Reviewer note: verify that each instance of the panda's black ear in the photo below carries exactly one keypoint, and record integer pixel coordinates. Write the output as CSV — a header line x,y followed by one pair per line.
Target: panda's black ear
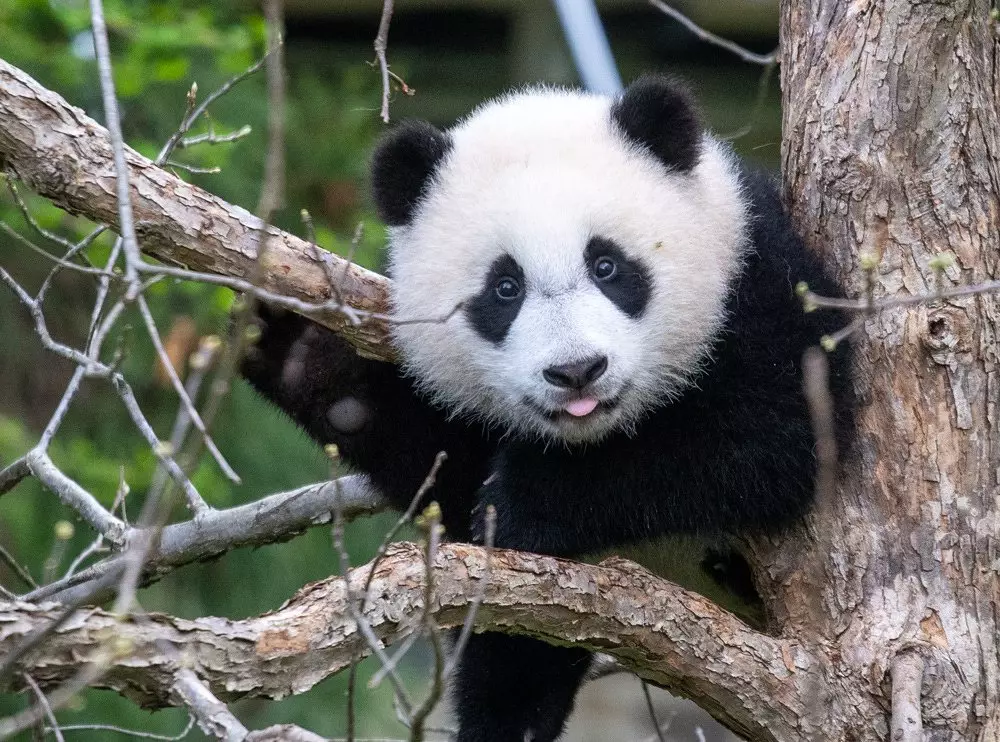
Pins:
x,y
660,114
402,165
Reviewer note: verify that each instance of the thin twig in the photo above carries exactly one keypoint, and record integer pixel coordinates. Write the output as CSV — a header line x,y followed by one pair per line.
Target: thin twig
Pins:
x,y
15,566
651,710
876,305
177,140
186,403
194,169
131,732
212,138
272,194
200,362
364,628
815,372
381,45
433,528
126,224
165,457
470,616
760,102
745,54
44,703
60,262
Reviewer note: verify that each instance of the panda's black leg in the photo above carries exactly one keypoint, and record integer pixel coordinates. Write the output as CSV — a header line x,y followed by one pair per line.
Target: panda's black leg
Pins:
x,y
513,689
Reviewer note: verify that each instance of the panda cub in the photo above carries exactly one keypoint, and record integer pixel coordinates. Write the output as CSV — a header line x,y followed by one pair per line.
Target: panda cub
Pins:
x,y
624,362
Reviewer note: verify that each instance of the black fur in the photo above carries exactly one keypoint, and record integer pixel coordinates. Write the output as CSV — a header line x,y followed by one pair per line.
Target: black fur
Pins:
x,y
630,286
490,315
402,167
733,454
660,114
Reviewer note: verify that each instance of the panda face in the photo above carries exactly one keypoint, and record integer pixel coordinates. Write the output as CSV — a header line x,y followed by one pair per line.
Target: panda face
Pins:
x,y
589,273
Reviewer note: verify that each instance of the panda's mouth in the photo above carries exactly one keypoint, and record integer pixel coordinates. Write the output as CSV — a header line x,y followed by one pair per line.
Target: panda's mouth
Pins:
x,y
584,407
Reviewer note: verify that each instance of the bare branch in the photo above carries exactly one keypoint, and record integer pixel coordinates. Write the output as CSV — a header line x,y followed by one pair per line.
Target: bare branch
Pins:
x,y
14,474
126,219
381,45
43,702
131,732
211,714
75,496
265,521
177,222
745,54
667,635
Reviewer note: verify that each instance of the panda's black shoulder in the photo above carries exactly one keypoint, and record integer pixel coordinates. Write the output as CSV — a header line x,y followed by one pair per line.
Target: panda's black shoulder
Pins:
x,y
775,246
768,327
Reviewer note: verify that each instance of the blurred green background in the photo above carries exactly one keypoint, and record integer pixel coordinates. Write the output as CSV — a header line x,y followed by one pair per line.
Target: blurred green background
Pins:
x,y
454,53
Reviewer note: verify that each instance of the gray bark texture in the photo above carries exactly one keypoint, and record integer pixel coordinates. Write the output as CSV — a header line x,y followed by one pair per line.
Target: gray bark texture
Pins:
x,y
883,606
61,153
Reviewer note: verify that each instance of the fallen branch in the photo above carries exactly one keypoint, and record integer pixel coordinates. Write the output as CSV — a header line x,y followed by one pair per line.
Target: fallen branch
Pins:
x,y
763,687
64,155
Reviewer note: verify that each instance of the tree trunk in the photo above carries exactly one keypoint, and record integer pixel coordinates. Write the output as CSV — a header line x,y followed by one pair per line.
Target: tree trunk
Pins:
x,y
890,148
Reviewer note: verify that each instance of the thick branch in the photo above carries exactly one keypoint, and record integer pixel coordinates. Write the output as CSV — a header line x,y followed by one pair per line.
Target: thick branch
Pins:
x,y
265,521
764,687
65,156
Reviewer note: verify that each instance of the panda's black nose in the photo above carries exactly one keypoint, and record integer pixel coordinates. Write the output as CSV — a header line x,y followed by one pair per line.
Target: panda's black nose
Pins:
x,y
576,375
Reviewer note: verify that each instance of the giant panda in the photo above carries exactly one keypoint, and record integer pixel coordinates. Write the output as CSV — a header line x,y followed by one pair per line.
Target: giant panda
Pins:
x,y
624,361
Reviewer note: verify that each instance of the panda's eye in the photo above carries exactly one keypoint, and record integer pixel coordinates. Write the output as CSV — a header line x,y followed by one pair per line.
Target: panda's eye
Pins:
x,y
604,268
508,288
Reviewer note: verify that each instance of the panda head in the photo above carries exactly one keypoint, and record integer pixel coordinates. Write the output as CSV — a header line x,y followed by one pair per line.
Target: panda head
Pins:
x,y
588,243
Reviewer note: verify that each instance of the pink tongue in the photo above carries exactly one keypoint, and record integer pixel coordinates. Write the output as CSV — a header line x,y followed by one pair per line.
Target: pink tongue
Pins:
x,y
581,407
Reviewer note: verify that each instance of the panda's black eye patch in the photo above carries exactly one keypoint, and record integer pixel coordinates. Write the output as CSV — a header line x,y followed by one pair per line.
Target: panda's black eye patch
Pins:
x,y
493,310
625,281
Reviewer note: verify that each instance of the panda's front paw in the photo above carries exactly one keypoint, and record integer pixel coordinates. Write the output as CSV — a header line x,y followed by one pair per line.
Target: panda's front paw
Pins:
x,y
275,333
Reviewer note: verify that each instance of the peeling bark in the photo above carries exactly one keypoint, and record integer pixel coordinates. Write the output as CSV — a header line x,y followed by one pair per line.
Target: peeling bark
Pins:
x,y
65,156
760,686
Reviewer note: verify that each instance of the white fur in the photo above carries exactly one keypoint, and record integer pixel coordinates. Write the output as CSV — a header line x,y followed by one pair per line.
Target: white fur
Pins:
x,y
536,174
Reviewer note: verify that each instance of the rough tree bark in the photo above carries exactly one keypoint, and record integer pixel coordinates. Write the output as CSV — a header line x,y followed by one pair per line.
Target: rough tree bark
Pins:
x,y
891,147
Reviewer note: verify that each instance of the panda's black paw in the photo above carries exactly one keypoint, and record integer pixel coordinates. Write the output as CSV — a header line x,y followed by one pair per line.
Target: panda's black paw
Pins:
x,y
272,338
